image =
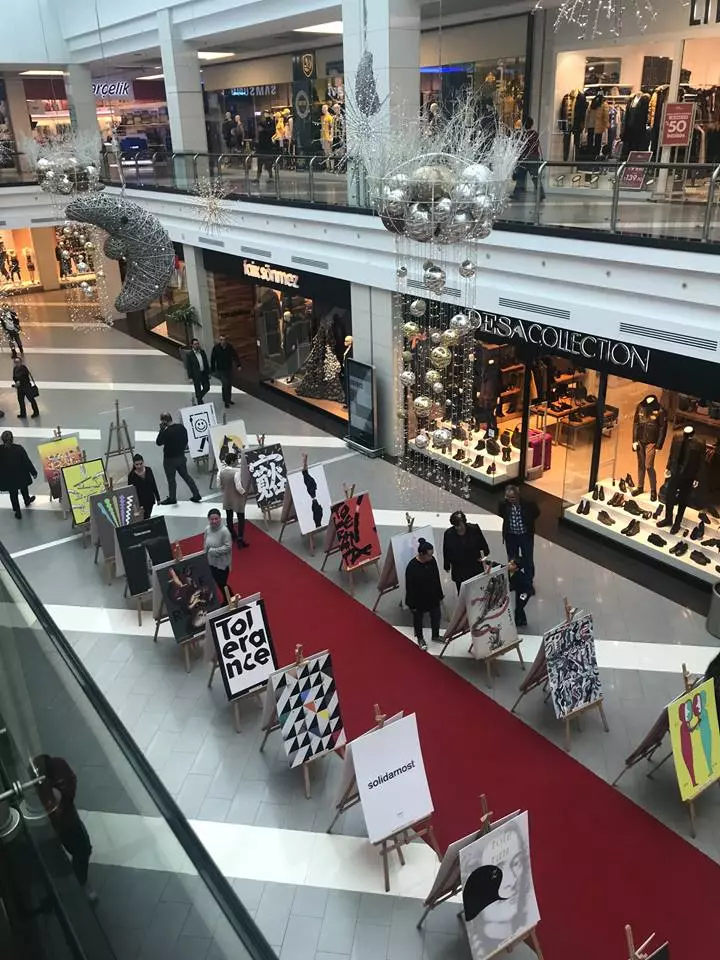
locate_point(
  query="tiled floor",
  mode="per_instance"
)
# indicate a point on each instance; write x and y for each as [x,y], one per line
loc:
[220,777]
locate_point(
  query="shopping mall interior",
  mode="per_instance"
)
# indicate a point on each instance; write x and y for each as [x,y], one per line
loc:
[359,524]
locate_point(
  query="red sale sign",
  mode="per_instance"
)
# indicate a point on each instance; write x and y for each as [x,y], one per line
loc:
[678,124]
[633,178]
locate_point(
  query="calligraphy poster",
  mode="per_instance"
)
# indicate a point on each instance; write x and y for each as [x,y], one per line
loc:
[487,606]
[189,593]
[498,893]
[572,665]
[82,481]
[109,510]
[356,531]
[695,739]
[56,454]
[198,421]
[311,498]
[269,472]
[142,544]
[228,438]
[243,646]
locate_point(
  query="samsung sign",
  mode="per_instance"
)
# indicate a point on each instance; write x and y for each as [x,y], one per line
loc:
[267,274]
[113,89]
[262,90]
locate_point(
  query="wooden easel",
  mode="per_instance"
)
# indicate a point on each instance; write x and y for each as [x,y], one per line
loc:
[288,514]
[120,434]
[332,546]
[388,579]
[162,617]
[233,601]
[138,598]
[639,953]
[351,796]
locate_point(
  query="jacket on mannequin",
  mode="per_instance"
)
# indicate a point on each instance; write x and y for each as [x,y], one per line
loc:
[686,457]
[650,423]
[635,132]
[572,110]
[598,115]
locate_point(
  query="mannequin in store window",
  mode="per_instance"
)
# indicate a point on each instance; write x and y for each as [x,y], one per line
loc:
[597,122]
[327,123]
[649,432]
[686,458]
[30,264]
[14,264]
[573,110]
[636,133]
[488,388]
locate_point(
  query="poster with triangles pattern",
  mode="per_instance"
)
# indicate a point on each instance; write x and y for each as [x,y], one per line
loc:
[308,709]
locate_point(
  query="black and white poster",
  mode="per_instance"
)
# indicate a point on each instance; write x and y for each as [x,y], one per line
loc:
[189,594]
[269,472]
[572,665]
[197,421]
[243,646]
[311,498]
[140,545]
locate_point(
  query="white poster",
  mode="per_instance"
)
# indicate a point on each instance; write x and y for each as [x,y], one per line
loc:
[404,547]
[391,778]
[243,646]
[227,438]
[198,421]
[487,603]
[311,496]
[499,902]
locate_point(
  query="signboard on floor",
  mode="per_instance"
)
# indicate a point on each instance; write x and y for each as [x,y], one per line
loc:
[695,739]
[56,454]
[311,498]
[678,124]
[140,544]
[189,593]
[82,481]
[391,778]
[633,178]
[243,646]
[197,421]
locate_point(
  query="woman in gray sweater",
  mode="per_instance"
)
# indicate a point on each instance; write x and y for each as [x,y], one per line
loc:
[218,547]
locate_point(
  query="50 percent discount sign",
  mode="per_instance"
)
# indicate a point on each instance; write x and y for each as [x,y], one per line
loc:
[678,124]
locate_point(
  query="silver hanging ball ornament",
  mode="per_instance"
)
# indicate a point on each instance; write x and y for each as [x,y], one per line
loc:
[459,227]
[407,356]
[88,293]
[432,377]
[434,279]
[467,269]
[477,174]
[442,437]
[450,338]
[437,388]
[418,224]
[82,267]
[410,329]
[422,441]
[67,231]
[100,273]
[89,245]
[402,272]
[407,378]
[460,324]
[436,338]
[418,308]
[422,406]
[398,181]
[481,229]
[482,208]
[393,202]
[43,164]
[430,183]
[84,285]
[440,357]
[393,224]
[428,264]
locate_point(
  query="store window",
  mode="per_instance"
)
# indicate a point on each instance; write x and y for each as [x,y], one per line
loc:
[17,262]
[74,255]
[499,85]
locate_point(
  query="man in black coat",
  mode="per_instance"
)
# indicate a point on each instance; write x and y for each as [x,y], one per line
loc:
[518,528]
[521,586]
[16,471]
[464,546]
[198,369]
[24,384]
[173,439]
[222,359]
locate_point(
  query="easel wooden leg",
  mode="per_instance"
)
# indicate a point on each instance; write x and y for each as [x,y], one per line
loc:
[488,668]
[601,708]
[139,611]
[535,944]
[213,668]
[519,653]
[157,630]
[311,544]
[264,741]
[186,653]
[282,531]
[97,551]
[386,867]
[306,778]
[236,711]
[567,734]
[691,811]
[433,841]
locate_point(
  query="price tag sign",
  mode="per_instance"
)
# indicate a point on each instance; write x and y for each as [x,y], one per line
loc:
[678,124]
[633,178]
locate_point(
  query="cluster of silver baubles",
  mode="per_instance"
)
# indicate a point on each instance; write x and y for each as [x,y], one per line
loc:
[441,200]
[67,175]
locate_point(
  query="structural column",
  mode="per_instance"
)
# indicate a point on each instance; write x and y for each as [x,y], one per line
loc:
[19,118]
[199,294]
[81,100]
[43,241]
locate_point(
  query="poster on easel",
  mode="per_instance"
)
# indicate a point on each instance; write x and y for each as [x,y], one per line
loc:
[141,545]
[198,421]
[108,511]
[489,617]
[695,739]
[243,646]
[228,438]
[311,498]
[498,894]
[572,665]
[402,549]
[269,475]
[188,594]
[354,531]
[391,778]
[82,481]
[54,455]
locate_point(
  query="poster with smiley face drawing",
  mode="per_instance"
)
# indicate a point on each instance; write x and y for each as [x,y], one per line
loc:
[695,739]
[499,902]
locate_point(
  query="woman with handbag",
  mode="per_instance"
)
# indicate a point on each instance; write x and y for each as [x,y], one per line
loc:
[233,497]
[26,388]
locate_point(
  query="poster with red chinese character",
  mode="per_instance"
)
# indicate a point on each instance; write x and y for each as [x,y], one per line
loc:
[356,531]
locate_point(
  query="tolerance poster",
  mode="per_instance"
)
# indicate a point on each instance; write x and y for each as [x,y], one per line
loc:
[695,739]
[572,665]
[391,778]
[109,510]
[269,472]
[197,421]
[243,646]
[311,498]
[227,438]
[56,454]
[356,531]
[487,606]
[189,594]
[82,481]
[137,542]
[498,893]
[308,708]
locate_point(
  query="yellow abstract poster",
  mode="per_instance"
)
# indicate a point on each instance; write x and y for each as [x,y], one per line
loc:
[82,481]
[695,739]
[56,454]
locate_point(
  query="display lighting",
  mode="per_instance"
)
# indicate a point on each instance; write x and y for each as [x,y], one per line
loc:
[333,26]
[152,76]
[42,73]
[210,55]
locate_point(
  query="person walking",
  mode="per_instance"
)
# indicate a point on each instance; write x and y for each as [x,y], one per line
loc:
[423,591]
[218,547]
[11,329]
[173,439]
[223,358]
[25,388]
[518,527]
[16,471]
[234,497]
[464,547]
[530,159]
[143,479]
[198,370]
[521,586]
[227,129]
[265,148]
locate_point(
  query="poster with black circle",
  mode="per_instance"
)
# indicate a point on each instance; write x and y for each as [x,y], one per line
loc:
[243,646]
[311,497]
[197,421]
[499,902]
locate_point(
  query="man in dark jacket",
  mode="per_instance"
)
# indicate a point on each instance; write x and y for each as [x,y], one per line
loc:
[222,359]
[518,529]
[198,370]
[16,471]
[173,439]
[521,586]
[530,160]
[464,546]
[265,148]
[23,382]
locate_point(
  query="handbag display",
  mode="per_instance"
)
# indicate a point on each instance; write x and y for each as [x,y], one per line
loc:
[516,438]
[505,438]
[492,447]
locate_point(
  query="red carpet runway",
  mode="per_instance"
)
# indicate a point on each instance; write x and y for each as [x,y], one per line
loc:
[599,861]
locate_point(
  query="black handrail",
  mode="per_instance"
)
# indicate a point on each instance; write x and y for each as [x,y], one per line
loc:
[233,909]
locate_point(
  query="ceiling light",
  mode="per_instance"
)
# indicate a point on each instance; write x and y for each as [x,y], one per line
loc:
[333,26]
[152,76]
[210,55]
[42,73]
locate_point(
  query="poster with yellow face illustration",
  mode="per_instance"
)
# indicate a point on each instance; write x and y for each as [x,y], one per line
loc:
[82,481]
[695,739]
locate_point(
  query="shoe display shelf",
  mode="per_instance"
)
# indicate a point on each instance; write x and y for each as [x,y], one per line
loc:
[709,573]
[504,470]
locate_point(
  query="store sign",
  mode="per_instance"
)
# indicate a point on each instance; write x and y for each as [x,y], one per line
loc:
[678,124]
[700,11]
[633,178]
[113,89]
[271,275]
[262,90]
[575,344]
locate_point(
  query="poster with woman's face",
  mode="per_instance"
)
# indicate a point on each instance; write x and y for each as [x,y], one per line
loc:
[499,900]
